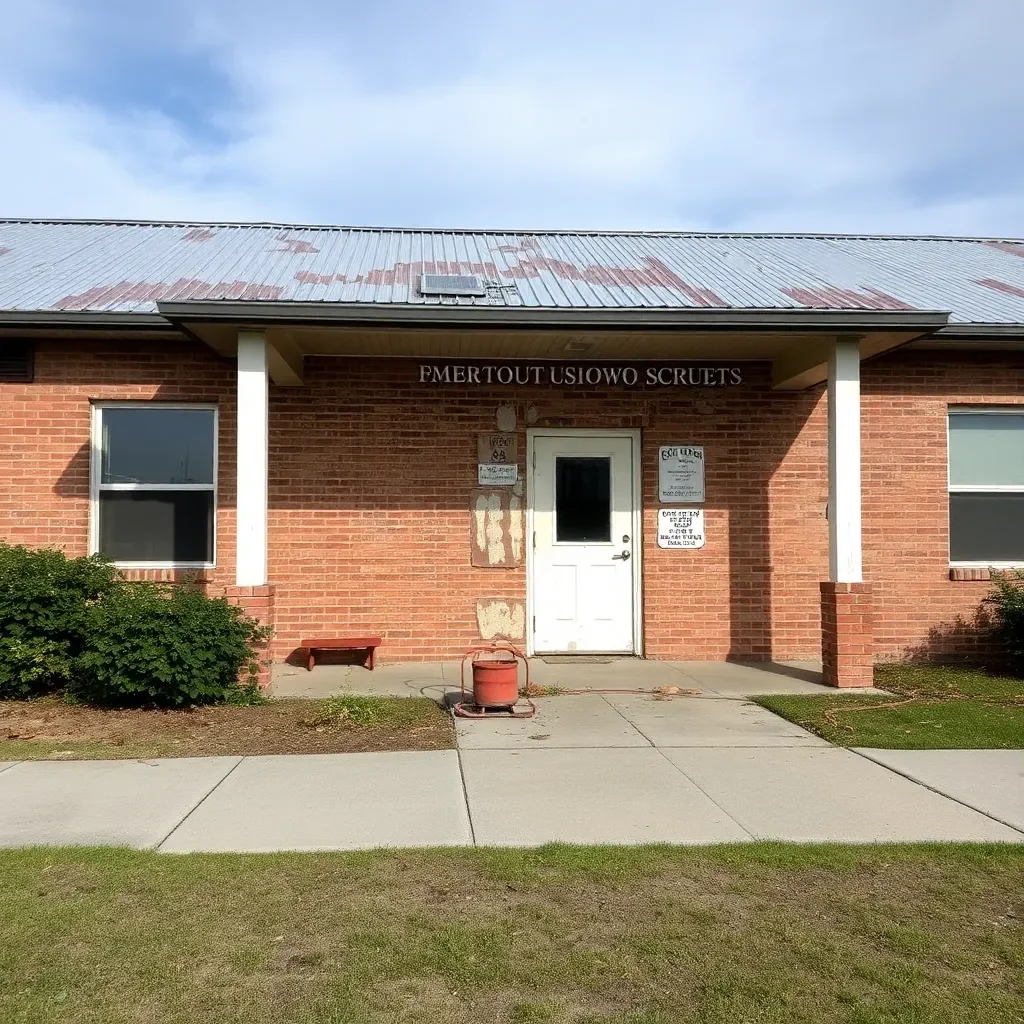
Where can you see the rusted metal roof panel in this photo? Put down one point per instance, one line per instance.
(129, 267)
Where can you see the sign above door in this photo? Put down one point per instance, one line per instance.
(630, 375)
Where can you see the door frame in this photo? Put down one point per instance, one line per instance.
(637, 519)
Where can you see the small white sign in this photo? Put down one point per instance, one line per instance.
(680, 527)
(681, 472)
(496, 474)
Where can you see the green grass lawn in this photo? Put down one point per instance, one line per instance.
(763, 933)
(950, 708)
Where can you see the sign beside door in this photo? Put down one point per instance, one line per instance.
(680, 528)
(681, 472)
(582, 579)
(497, 456)
(495, 474)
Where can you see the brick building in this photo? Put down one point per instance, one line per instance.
(672, 445)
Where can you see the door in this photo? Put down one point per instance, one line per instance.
(582, 578)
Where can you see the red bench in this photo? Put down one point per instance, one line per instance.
(343, 643)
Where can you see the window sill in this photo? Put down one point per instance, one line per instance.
(191, 573)
(978, 573)
(965, 574)
(165, 566)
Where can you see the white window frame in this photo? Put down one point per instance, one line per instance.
(974, 410)
(95, 467)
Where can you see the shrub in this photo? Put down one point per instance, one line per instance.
(32, 666)
(44, 601)
(1008, 600)
(148, 644)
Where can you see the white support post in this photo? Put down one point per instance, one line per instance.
(251, 500)
(844, 517)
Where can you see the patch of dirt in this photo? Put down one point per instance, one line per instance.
(281, 727)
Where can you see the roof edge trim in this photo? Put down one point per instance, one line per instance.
(275, 225)
(982, 330)
(80, 318)
(472, 315)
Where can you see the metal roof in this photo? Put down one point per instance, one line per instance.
(127, 267)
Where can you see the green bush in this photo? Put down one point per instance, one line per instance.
(44, 601)
(32, 666)
(1008, 599)
(152, 644)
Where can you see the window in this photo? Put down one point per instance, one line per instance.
(154, 469)
(986, 487)
(583, 500)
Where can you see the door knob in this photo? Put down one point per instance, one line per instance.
(623, 557)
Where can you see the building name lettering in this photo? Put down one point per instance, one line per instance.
(580, 374)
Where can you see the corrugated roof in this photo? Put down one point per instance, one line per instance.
(107, 266)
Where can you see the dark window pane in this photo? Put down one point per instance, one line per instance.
(583, 505)
(157, 446)
(157, 526)
(986, 527)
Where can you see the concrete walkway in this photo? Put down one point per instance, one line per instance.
(593, 768)
(441, 679)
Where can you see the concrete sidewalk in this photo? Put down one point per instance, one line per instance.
(991, 781)
(613, 768)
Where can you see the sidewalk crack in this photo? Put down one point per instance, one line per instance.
(701, 789)
(202, 800)
(933, 789)
(632, 725)
(465, 797)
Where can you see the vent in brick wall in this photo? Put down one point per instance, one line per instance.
(15, 361)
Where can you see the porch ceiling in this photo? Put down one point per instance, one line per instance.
(798, 358)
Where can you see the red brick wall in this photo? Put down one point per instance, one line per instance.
(919, 611)
(45, 430)
(377, 469)
(371, 474)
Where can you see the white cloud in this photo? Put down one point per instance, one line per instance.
(859, 116)
(70, 160)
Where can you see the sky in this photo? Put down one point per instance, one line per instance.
(762, 115)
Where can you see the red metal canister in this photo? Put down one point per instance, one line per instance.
(495, 681)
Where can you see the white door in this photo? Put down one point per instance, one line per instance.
(583, 545)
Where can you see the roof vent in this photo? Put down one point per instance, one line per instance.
(16, 362)
(451, 284)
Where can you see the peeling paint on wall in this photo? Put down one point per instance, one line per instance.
(496, 529)
(497, 617)
(515, 527)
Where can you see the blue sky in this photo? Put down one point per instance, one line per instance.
(794, 115)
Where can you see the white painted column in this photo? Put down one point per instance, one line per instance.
(844, 525)
(251, 501)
